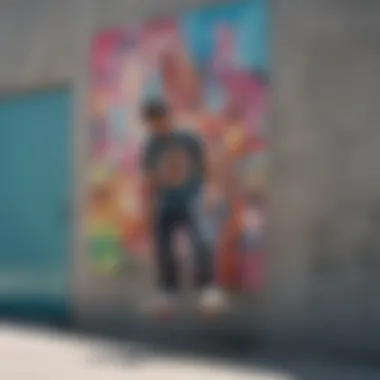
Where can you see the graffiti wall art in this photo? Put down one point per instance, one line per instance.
(210, 69)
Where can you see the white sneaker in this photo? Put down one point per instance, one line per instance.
(212, 301)
(163, 306)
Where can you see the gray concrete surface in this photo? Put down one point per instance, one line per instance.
(325, 197)
(42, 354)
(38, 354)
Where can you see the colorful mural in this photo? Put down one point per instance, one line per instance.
(210, 66)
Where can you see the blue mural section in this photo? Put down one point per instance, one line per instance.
(249, 19)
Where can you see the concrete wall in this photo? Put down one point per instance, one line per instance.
(39, 43)
(325, 182)
(324, 257)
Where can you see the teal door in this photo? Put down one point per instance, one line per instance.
(35, 187)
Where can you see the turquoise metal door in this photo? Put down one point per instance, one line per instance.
(35, 187)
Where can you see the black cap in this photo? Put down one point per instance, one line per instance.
(154, 108)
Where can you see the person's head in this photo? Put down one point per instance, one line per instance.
(157, 116)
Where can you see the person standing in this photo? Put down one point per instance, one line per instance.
(174, 168)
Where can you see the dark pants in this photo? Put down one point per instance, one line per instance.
(169, 218)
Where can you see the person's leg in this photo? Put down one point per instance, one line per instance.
(211, 299)
(197, 228)
(168, 280)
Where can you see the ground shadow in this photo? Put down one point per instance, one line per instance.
(137, 345)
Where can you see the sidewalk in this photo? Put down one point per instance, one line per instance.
(27, 353)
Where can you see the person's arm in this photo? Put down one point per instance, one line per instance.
(149, 182)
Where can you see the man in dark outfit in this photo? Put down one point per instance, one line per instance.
(174, 165)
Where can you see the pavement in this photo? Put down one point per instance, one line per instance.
(39, 353)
